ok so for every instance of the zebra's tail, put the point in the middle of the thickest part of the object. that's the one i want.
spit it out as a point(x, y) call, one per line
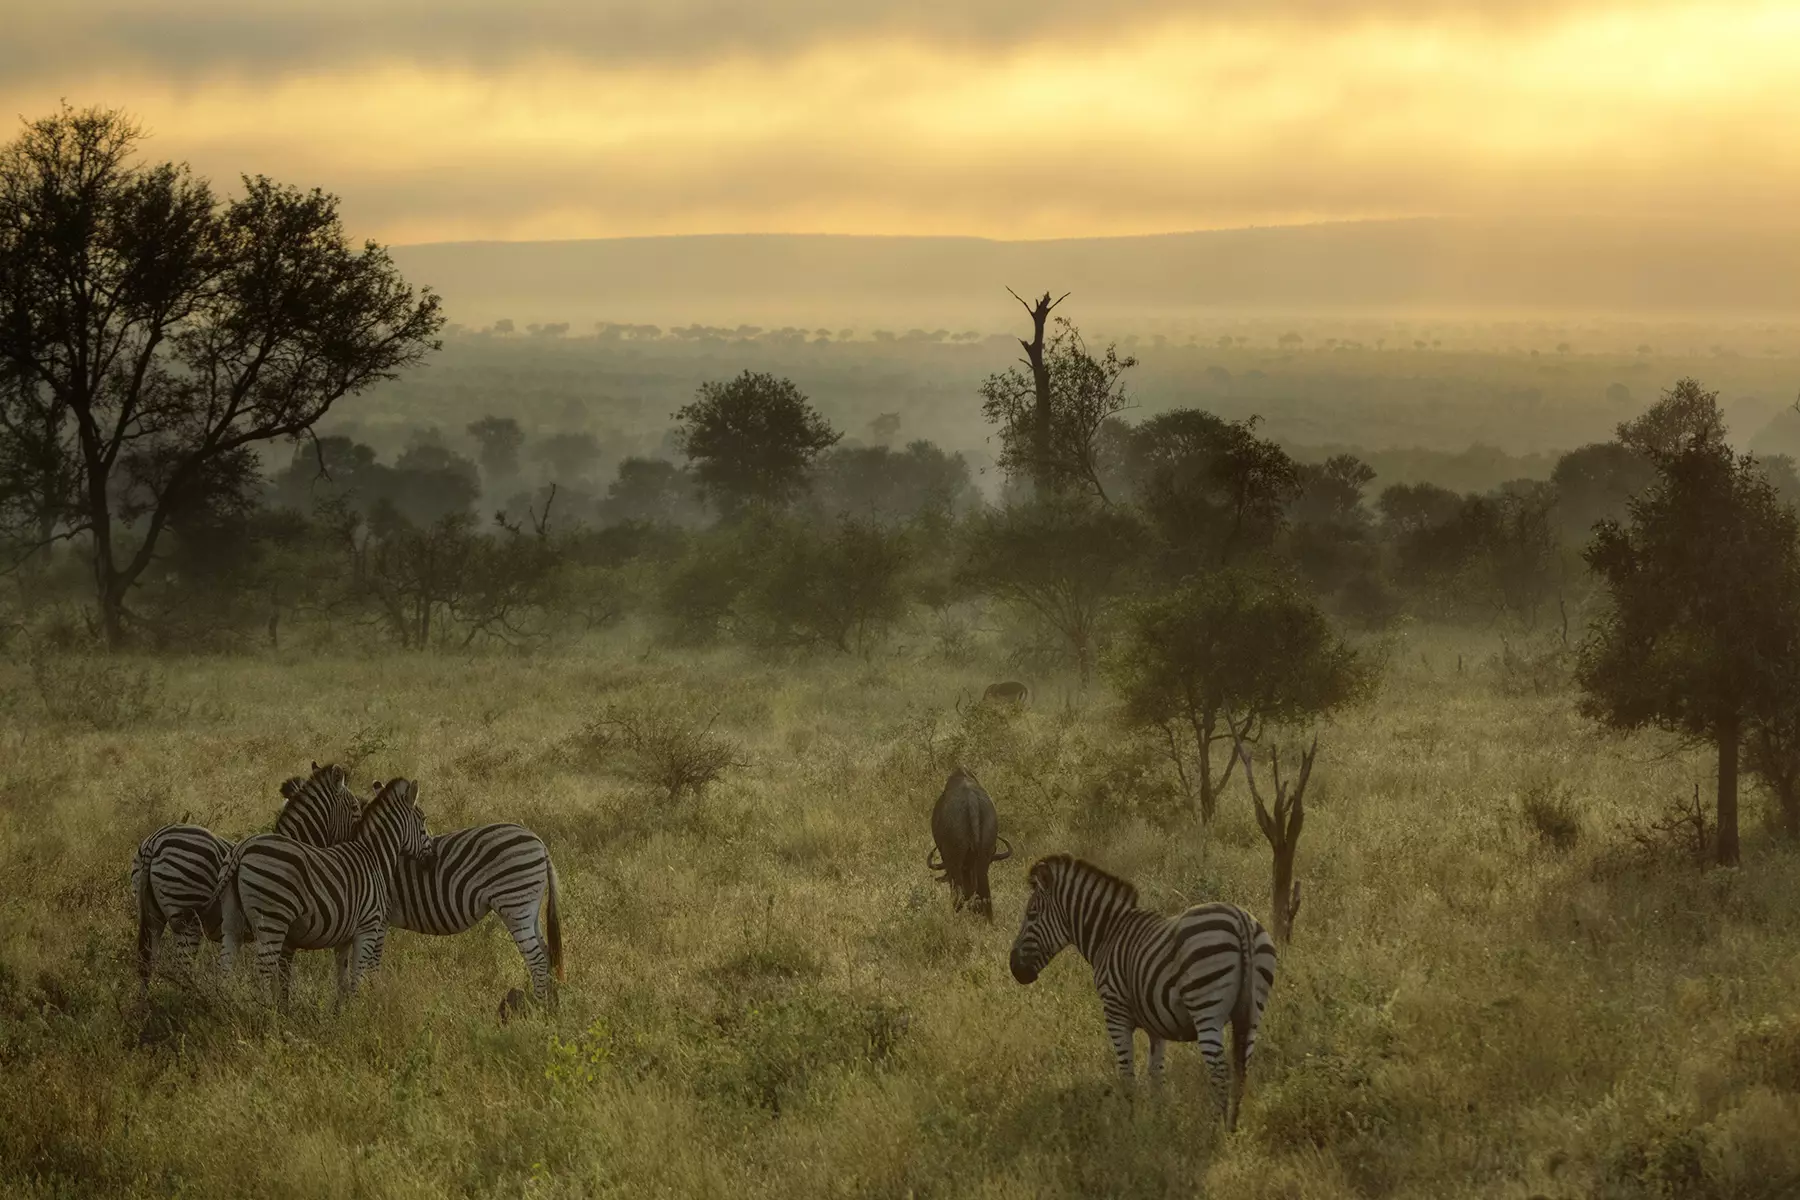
point(149, 916)
point(231, 911)
point(553, 923)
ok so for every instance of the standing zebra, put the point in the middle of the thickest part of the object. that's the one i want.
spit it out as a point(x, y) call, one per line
point(503, 869)
point(1177, 978)
point(175, 872)
point(286, 895)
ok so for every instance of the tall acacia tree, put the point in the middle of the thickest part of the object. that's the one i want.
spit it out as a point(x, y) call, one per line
point(1702, 635)
point(151, 334)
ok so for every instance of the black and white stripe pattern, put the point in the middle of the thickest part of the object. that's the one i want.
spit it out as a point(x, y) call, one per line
point(1180, 978)
point(286, 895)
point(503, 869)
point(175, 872)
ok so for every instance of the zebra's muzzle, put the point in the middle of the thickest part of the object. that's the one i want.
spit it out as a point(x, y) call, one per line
point(1023, 971)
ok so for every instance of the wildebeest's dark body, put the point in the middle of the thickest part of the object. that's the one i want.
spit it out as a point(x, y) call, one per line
point(965, 828)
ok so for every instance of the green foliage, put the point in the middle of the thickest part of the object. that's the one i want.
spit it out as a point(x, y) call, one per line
point(875, 483)
point(1086, 392)
point(1230, 651)
point(250, 320)
point(1215, 493)
point(1062, 562)
point(666, 747)
point(841, 589)
point(751, 441)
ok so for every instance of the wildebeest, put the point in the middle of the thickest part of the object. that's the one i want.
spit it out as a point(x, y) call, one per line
point(965, 828)
point(1009, 692)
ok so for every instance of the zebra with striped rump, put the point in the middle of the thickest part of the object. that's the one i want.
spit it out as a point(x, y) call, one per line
point(502, 869)
point(1179, 978)
point(176, 871)
point(286, 895)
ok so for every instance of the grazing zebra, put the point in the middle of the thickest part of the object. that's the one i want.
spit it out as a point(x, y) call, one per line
point(1177, 978)
point(503, 869)
point(286, 895)
point(175, 872)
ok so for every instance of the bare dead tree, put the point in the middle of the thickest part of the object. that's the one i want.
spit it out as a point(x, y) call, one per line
point(1282, 828)
point(1040, 378)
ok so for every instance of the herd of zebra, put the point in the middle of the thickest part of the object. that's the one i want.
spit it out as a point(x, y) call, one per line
point(335, 874)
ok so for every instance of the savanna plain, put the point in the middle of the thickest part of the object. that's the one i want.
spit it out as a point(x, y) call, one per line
point(1496, 985)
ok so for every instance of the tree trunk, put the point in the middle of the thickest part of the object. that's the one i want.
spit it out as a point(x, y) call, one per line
point(1728, 789)
point(1208, 798)
point(1040, 380)
point(1283, 904)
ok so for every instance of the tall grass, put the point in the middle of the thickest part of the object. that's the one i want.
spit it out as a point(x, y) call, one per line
point(768, 997)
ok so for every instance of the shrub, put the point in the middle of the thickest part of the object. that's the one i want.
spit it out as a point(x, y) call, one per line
point(676, 753)
point(1550, 812)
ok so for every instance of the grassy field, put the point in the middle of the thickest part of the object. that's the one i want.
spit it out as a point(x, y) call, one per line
point(767, 995)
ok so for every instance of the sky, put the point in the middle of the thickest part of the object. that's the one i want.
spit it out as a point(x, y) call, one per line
point(460, 120)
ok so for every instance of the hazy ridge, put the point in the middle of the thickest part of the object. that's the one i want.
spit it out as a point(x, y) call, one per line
point(1516, 267)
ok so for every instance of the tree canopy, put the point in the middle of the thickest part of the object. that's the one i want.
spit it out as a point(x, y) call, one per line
point(1702, 635)
point(752, 440)
point(151, 333)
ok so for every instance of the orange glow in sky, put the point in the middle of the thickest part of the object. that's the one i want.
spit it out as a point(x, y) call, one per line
point(1170, 117)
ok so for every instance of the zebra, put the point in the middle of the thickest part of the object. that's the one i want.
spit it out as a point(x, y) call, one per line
point(286, 895)
point(503, 869)
point(1178, 978)
point(175, 871)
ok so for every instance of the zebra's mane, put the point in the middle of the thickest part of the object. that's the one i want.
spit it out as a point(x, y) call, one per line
point(1081, 868)
point(391, 796)
point(294, 787)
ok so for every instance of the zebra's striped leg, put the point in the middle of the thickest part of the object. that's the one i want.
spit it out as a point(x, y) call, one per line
point(1243, 1041)
point(188, 936)
point(1157, 1046)
point(346, 976)
point(1211, 1030)
point(269, 958)
point(522, 923)
point(365, 954)
point(150, 929)
point(1120, 1029)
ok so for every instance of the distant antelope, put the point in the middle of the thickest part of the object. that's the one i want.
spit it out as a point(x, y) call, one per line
point(1009, 692)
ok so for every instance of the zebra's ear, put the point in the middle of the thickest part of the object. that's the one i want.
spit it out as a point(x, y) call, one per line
point(315, 766)
point(291, 788)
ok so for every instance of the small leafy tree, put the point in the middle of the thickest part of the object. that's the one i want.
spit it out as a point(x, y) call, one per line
point(751, 441)
point(1050, 421)
point(1228, 654)
point(1702, 635)
point(149, 332)
point(1214, 491)
point(651, 490)
point(1064, 561)
point(843, 589)
point(500, 439)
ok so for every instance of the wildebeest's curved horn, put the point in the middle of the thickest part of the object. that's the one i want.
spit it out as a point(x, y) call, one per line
point(931, 854)
point(1008, 853)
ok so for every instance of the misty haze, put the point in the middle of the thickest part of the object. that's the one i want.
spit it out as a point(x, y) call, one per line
point(863, 599)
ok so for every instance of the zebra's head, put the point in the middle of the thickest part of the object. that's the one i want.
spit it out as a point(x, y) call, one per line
point(320, 808)
point(1044, 931)
point(1068, 901)
point(394, 816)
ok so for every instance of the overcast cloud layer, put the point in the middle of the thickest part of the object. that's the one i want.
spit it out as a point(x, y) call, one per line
point(1002, 118)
